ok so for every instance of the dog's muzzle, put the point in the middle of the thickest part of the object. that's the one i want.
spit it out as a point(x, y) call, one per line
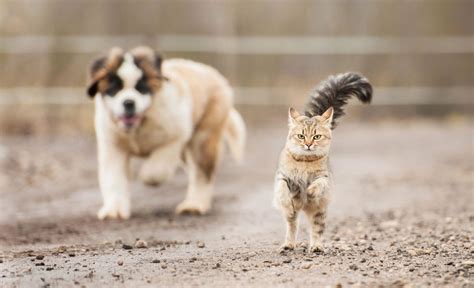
point(129, 119)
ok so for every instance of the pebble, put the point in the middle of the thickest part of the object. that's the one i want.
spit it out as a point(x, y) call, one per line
point(39, 257)
point(306, 265)
point(469, 263)
point(141, 244)
point(353, 267)
point(200, 244)
point(287, 260)
point(120, 262)
point(62, 249)
point(389, 224)
point(127, 247)
point(156, 261)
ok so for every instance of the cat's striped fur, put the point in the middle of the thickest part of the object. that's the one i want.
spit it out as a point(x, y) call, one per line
point(303, 180)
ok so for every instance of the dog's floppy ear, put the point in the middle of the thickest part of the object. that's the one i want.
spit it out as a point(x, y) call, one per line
point(97, 72)
point(103, 66)
point(158, 62)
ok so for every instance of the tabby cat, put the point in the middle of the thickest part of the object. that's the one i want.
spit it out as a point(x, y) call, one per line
point(303, 180)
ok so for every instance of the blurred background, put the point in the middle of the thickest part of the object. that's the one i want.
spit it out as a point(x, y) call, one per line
point(403, 166)
point(418, 54)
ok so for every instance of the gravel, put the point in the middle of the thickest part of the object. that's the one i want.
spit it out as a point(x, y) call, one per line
point(401, 216)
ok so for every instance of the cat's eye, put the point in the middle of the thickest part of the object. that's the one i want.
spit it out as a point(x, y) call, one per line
point(300, 136)
point(317, 137)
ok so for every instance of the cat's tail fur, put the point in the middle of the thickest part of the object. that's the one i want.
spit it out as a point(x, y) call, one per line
point(235, 134)
point(336, 91)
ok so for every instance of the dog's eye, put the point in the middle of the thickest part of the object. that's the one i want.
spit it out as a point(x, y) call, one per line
point(114, 85)
point(142, 86)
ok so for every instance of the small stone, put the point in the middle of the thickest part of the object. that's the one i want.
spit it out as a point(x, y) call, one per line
point(39, 257)
point(127, 247)
point(62, 249)
point(120, 262)
point(156, 261)
point(468, 263)
point(200, 244)
point(72, 255)
point(141, 244)
point(353, 267)
point(164, 266)
point(389, 224)
point(287, 261)
point(218, 265)
point(306, 265)
point(49, 268)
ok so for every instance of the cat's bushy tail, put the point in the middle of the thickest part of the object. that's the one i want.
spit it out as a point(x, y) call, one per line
point(336, 91)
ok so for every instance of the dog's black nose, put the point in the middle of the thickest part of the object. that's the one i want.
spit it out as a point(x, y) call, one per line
point(129, 106)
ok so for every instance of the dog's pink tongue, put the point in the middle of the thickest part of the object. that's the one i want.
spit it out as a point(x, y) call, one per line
point(130, 120)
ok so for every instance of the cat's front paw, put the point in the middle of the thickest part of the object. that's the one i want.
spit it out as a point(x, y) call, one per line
point(316, 248)
point(286, 247)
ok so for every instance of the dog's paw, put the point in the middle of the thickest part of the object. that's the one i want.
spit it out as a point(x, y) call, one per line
point(114, 212)
point(193, 208)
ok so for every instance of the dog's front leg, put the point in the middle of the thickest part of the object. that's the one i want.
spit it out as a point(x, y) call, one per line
point(114, 182)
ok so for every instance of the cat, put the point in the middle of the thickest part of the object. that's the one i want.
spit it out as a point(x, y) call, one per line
point(303, 180)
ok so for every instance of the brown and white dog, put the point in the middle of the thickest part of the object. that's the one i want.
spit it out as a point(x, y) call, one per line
point(169, 112)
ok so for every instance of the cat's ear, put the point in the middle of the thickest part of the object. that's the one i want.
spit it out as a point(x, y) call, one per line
point(327, 116)
point(292, 115)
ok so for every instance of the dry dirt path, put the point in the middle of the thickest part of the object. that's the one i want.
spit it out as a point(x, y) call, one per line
point(402, 214)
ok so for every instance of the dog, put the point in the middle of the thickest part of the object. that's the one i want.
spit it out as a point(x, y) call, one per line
point(169, 112)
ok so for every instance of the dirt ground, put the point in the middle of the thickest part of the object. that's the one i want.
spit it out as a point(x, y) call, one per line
point(402, 215)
